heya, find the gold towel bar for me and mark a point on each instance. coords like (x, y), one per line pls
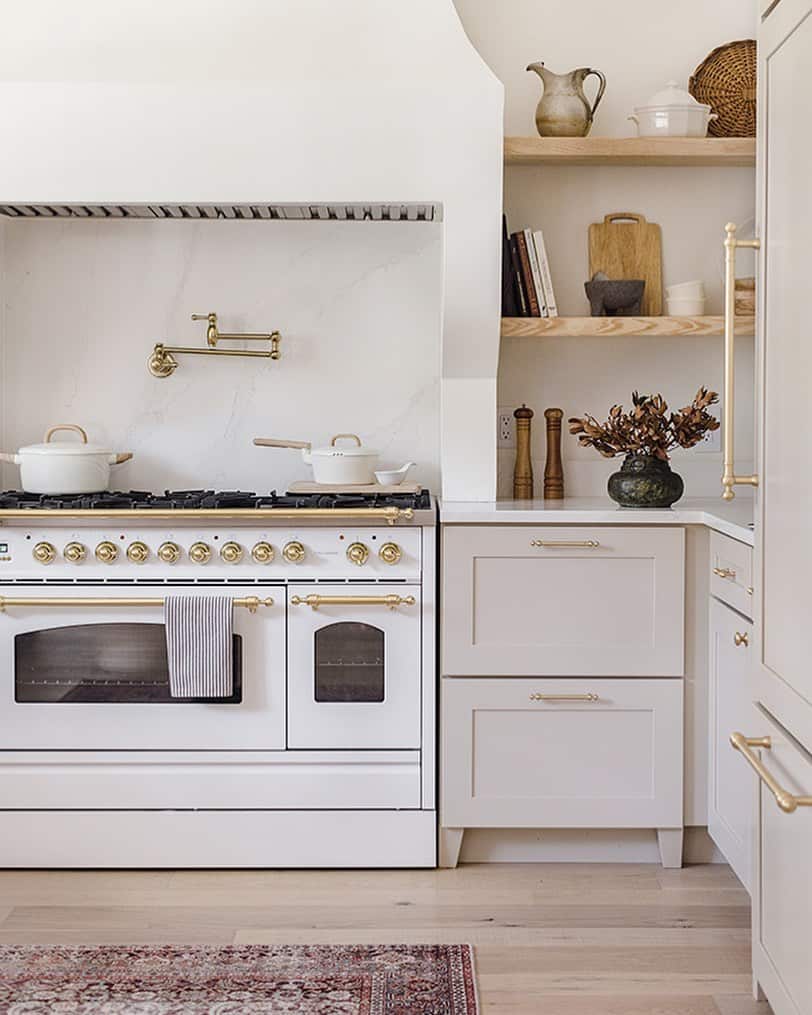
(390, 515)
(250, 603)
(787, 801)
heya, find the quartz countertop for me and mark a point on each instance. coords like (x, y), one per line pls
(733, 518)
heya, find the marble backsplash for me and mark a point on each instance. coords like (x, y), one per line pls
(358, 306)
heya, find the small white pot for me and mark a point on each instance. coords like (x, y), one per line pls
(352, 465)
(672, 112)
(55, 467)
(685, 307)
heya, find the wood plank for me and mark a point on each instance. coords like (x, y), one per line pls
(619, 327)
(630, 151)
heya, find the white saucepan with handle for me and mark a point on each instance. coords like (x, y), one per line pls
(55, 467)
(337, 464)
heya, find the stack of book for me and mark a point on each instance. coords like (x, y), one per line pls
(527, 285)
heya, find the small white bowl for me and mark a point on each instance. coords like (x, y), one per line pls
(686, 290)
(393, 477)
(685, 307)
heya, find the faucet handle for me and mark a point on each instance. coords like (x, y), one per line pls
(211, 329)
(211, 318)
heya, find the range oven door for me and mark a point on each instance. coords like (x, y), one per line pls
(354, 666)
(85, 669)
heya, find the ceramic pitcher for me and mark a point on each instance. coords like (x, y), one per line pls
(564, 110)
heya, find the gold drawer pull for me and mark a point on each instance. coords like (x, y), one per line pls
(566, 544)
(564, 697)
(314, 602)
(250, 603)
(740, 639)
(725, 572)
(787, 801)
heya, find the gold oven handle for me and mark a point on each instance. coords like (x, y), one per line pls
(729, 477)
(565, 697)
(787, 801)
(250, 603)
(314, 601)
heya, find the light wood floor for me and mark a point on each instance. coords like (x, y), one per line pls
(551, 939)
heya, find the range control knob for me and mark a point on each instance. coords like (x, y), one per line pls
(106, 552)
(293, 552)
(231, 553)
(75, 553)
(44, 553)
(169, 553)
(262, 553)
(200, 553)
(138, 552)
(390, 553)
(357, 553)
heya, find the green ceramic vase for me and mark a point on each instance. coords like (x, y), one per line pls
(645, 482)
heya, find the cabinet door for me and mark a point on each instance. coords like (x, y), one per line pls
(782, 903)
(730, 791)
(563, 601)
(784, 535)
(521, 753)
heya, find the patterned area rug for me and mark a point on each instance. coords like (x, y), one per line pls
(237, 980)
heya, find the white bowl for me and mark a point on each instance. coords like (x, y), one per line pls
(685, 307)
(686, 290)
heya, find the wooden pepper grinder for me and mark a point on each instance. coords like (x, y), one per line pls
(553, 468)
(523, 471)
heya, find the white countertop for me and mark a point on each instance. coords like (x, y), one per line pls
(733, 518)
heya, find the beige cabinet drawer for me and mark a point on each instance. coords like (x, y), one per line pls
(731, 572)
(562, 601)
(515, 760)
(783, 902)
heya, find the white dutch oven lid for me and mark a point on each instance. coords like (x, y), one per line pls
(49, 447)
(673, 97)
(345, 451)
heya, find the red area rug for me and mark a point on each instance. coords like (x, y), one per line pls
(237, 980)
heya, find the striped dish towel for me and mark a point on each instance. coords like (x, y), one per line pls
(199, 646)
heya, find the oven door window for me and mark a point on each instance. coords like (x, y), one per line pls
(101, 663)
(349, 663)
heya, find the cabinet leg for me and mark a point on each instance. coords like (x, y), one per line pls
(670, 842)
(450, 846)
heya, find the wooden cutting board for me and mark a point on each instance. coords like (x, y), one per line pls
(625, 245)
(302, 486)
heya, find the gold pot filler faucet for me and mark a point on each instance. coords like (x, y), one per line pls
(162, 362)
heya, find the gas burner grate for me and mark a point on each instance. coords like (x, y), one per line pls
(175, 500)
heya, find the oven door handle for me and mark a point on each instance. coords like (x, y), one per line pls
(250, 603)
(314, 601)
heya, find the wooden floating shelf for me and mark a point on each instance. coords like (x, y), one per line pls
(620, 327)
(630, 151)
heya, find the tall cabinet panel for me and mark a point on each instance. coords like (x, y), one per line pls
(779, 748)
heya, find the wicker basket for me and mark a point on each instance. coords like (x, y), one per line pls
(726, 81)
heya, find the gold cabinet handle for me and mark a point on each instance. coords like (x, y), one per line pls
(729, 477)
(740, 639)
(566, 544)
(314, 602)
(565, 697)
(725, 572)
(250, 603)
(787, 801)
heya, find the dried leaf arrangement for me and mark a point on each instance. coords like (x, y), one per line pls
(648, 428)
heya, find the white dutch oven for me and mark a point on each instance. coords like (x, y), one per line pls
(334, 465)
(65, 466)
(672, 113)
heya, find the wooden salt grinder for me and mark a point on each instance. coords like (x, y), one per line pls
(523, 472)
(553, 469)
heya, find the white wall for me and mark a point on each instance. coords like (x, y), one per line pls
(639, 46)
(358, 306)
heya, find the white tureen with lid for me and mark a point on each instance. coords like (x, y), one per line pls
(672, 112)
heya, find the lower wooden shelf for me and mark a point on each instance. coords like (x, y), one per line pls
(618, 327)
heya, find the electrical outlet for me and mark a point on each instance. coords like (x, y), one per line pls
(505, 428)
(711, 443)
